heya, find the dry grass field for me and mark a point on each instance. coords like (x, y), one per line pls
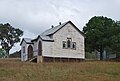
(15, 70)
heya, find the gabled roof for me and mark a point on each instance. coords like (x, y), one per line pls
(45, 36)
(53, 30)
(27, 40)
(56, 28)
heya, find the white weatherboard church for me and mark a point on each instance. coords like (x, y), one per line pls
(61, 43)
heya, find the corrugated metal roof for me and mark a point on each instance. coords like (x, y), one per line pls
(28, 40)
(52, 30)
(46, 37)
(46, 34)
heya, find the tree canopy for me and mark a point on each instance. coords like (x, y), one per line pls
(102, 33)
(9, 36)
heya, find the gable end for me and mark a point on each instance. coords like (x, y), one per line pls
(73, 26)
(25, 42)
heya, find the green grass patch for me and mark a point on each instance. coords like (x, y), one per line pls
(15, 70)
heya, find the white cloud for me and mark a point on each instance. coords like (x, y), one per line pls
(35, 16)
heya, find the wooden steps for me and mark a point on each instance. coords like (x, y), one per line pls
(34, 59)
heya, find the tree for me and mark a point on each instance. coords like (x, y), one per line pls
(2, 53)
(100, 32)
(9, 36)
(115, 40)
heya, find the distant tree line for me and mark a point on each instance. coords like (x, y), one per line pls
(16, 54)
(102, 33)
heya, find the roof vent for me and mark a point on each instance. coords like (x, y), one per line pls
(52, 26)
(59, 23)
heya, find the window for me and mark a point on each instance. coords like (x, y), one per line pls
(23, 49)
(74, 45)
(64, 44)
(68, 42)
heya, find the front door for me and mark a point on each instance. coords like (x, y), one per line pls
(30, 52)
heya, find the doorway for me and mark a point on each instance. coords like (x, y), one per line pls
(30, 52)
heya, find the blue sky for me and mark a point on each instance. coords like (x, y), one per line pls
(35, 16)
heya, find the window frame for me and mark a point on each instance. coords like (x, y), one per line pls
(74, 43)
(64, 43)
(69, 39)
(70, 46)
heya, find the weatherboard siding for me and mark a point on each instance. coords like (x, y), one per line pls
(35, 49)
(47, 48)
(53, 48)
(56, 49)
(24, 55)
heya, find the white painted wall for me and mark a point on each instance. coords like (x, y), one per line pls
(47, 48)
(35, 47)
(24, 56)
(55, 49)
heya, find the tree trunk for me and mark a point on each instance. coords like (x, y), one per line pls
(7, 51)
(101, 54)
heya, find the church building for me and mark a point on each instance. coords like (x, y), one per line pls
(61, 43)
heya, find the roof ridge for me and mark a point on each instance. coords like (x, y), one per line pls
(54, 29)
